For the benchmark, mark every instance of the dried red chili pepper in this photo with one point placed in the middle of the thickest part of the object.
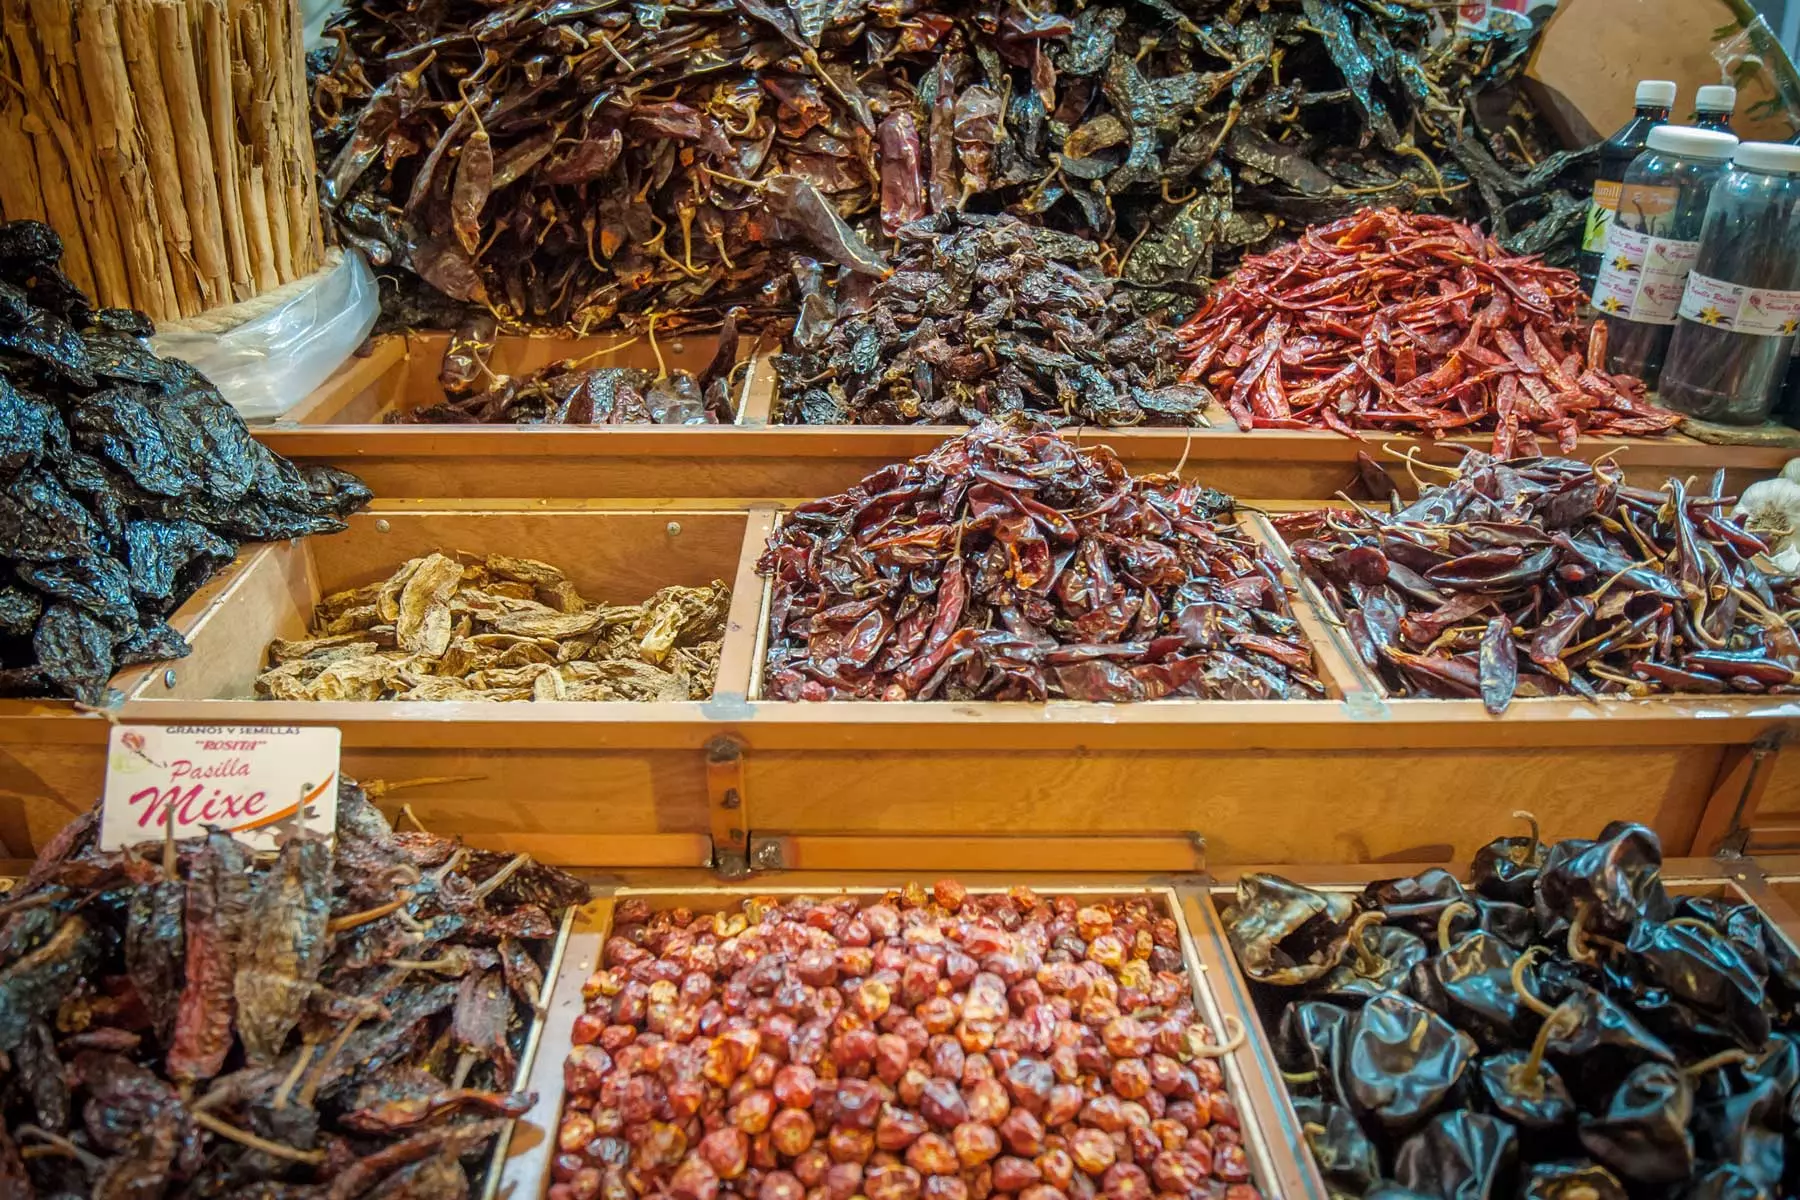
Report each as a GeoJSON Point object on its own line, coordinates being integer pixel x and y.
{"type": "Point", "coordinates": [1009, 564]}
{"type": "Point", "coordinates": [1411, 323]}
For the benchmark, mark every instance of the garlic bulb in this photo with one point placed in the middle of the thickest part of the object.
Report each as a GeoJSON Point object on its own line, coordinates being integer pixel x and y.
{"type": "Point", "coordinates": [1771, 510]}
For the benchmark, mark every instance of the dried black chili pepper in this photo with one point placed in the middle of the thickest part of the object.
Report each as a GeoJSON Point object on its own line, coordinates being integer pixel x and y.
{"type": "Point", "coordinates": [125, 481]}
{"type": "Point", "coordinates": [1617, 1041]}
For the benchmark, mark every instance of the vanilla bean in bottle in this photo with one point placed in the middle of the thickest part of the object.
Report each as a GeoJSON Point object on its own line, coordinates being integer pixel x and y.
{"type": "Point", "coordinates": [1655, 101]}
{"type": "Point", "coordinates": [1739, 313]}
{"type": "Point", "coordinates": [1651, 246]}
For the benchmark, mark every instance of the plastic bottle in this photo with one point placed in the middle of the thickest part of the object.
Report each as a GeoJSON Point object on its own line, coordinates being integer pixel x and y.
{"type": "Point", "coordinates": [1655, 101]}
{"type": "Point", "coordinates": [1713, 106]}
{"type": "Point", "coordinates": [1652, 242]}
{"type": "Point", "coordinates": [1739, 313]}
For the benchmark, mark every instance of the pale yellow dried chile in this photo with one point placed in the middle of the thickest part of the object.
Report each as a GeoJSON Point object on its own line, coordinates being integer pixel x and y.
{"type": "Point", "coordinates": [462, 627]}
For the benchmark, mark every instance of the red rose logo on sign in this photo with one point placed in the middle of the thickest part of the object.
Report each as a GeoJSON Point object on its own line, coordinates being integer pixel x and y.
{"type": "Point", "coordinates": [249, 781]}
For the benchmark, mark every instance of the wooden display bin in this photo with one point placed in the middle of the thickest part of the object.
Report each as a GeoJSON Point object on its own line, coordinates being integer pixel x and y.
{"type": "Point", "coordinates": [569, 781]}
{"type": "Point", "coordinates": [747, 783]}
{"type": "Point", "coordinates": [1267, 1136]}
{"type": "Point", "coordinates": [400, 373]}
{"type": "Point", "coordinates": [762, 458]}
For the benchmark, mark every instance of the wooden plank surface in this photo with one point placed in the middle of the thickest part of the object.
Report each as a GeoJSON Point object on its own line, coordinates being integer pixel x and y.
{"type": "Point", "coordinates": [1343, 806]}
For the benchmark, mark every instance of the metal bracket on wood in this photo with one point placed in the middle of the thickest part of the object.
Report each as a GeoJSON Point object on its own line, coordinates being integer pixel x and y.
{"type": "Point", "coordinates": [728, 813]}
{"type": "Point", "coordinates": [1728, 821]}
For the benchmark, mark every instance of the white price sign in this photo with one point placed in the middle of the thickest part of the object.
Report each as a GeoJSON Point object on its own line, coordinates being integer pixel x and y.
{"type": "Point", "coordinates": [250, 781]}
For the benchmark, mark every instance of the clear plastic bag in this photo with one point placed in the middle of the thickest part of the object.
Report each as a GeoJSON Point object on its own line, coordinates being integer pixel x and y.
{"type": "Point", "coordinates": [269, 363]}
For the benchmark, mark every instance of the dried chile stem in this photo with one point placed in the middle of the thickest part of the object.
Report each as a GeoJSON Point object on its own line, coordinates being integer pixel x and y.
{"type": "Point", "coordinates": [1577, 947]}
{"type": "Point", "coordinates": [352, 920]}
{"type": "Point", "coordinates": [1367, 964]}
{"type": "Point", "coordinates": [1694, 923]}
{"type": "Point", "coordinates": [1198, 1048]}
{"type": "Point", "coordinates": [1530, 819]}
{"type": "Point", "coordinates": [1528, 1076]}
{"type": "Point", "coordinates": [1724, 1058]}
{"type": "Point", "coordinates": [1519, 967]}
{"type": "Point", "coordinates": [61, 1145]}
{"type": "Point", "coordinates": [1300, 1077]}
{"type": "Point", "coordinates": [501, 876]}
{"type": "Point", "coordinates": [465, 1062]}
{"type": "Point", "coordinates": [1450, 913]}
{"type": "Point", "coordinates": [301, 1060]}
{"type": "Point", "coordinates": [243, 1137]}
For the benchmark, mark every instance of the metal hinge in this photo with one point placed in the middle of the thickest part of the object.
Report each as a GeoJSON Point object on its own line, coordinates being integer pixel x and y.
{"type": "Point", "coordinates": [728, 812]}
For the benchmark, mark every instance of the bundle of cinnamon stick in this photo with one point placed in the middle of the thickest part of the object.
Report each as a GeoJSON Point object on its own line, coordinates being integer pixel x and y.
{"type": "Point", "coordinates": [166, 141]}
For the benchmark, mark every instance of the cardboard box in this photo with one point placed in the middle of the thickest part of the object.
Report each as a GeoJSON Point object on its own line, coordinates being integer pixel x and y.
{"type": "Point", "coordinates": [1592, 53]}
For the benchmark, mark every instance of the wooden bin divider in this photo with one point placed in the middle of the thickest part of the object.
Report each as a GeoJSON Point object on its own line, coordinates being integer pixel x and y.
{"type": "Point", "coordinates": [760, 457]}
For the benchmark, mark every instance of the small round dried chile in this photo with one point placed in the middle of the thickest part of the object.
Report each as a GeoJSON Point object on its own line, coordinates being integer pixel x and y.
{"type": "Point", "coordinates": [987, 1102]}
{"type": "Point", "coordinates": [1231, 1164]}
{"type": "Point", "coordinates": [932, 1154]}
{"type": "Point", "coordinates": [792, 1130]}
{"type": "Point", "coordinates": [795, 1086]}
{"type": "Point", "coordinates": [843, 1180]}
{"type": "Point", "coordinates": [897, 1128]}
{"type": "Point", "coordinates": [858, 1103]}
{"type": "Point", "coordinates": [810, 1165]}
{"type": "Point", "coordinates": [949, 894]}
{"type": "Point", "coordinates": [726, 1151]}
{"type": "Point", "coordinates": [941, 1103]}
{"type": "Point", "coordinates": [892, 1182]}
{"type": "Point", "coordinates": [584, 1068]}
{"type": "Point", "coordinates": [754, 1112]}
{"type": "Point", "coordinates": [846, 1145]}
{"type": "Point", "coordinates": [1092, 1151]}
{"type": "Point", "coordinates": [1130, 1078]}
{"type": "Point", "coordinates": [1015, 1174]}
{"type": "Point", "coordinates": [694, 1180]}
{"type": "Point", "coordinates": [1058, 1167]}
{"type": "Point", "coordinates": [975, 1143]}
{"type": "Point", "coordinates": [1022, 1132]}
{"type": "Point", "coordinates": [945, 1187]}
{"type": "Point", "coordinates": [780, 1185]}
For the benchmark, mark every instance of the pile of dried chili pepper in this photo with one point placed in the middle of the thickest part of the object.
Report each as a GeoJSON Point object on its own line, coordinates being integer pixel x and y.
{"type": "Point", "coordinates": [1009, 564]}
{"type": "Point", "coordinates": [571, 391]}
{"type": "Point", "coordinates": [1559, 1025]}
{"type": "Point", "coordinates": [983, 317]}
{"type": "Point", "coordinates": [126, 480]}
{"type": "Point", "coordinates": [583, 162]}
{"type": "Point", "coordinates": [1411, 324]}
{"type": "Point", "coordinates": [332, 1022]}
{"type": "Point", "coordinates": [1547, 577]}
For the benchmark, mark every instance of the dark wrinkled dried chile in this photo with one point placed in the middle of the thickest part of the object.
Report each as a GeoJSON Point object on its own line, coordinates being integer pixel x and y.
{"type": "Point", "coordinates": [573, 392]}
{"type": "Point", "coordinates": [125, 481]}
{"type": "Point", "coordinates": [153, 1003]}
{"type": "Point", "coordinates": [1619, 1041]}
{"type": "Point", "coordinates": [983, 317]}
{"type": "Point", "coordinates": [560, 162]}
{"type": "Point", "coordinates": [1010, 564]}
{"type": "Point", "coordinates": [1548, 577]}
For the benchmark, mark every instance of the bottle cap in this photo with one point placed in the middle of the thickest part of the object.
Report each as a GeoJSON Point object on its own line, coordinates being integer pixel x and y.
{"type": "Point", "coordinates": [1685, 141]}
{"type": "Point", "coordinates": [1768, 156]}
{"type": "Point", "coordinates": [1657, 92]}
{"type": "Point", "coordinates": [1715, 98]}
